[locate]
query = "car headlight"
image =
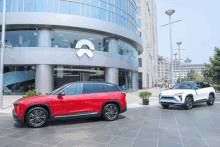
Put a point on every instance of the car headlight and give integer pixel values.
(179, 95)
(160, 95)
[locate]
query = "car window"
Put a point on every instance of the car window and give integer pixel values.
(92, 88)
(197, 85)
(202, 85)
(206, 84)
(73, 89)
(184, 85)
(109, 88)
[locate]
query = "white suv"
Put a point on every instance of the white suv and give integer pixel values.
(188, 93)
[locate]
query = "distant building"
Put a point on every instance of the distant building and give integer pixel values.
(163, 70)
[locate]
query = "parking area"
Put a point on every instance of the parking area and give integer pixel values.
(150, 126)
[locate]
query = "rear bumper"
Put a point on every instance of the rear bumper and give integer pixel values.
(123, 110)
(16, 118)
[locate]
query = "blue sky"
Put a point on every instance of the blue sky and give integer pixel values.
(199, 30)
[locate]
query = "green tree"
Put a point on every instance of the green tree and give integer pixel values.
(212, 70)
(192, 75)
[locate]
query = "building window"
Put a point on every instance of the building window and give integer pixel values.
(95, 2)
(139, 33)
(103, 15)
(41, 6)
(94, 12)
(29, 6)
(140, 62)
(138, 1)
(139, 23)
(74, 8)
(138, 10)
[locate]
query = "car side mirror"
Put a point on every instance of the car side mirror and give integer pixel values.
(60, 95)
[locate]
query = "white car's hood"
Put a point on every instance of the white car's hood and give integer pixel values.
(174, 91)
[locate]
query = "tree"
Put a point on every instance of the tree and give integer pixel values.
(192, 75)
(212, 70)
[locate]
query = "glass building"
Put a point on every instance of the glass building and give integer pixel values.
(45, 35)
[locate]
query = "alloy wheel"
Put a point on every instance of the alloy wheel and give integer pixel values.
(189, 103)
(37, 117)
(111, 112)
(211, 100)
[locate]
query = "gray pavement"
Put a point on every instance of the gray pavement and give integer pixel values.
(150, 126)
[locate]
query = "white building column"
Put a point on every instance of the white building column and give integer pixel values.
(111, 75)
(113, 46)
(44, 79)
(44, 38)
(134, 81)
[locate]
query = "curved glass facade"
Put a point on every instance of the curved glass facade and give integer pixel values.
(66, 39)
(120, 12)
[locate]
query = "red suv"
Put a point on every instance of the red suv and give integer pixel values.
(78, 99)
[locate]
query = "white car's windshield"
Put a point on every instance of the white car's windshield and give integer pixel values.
(183, 85)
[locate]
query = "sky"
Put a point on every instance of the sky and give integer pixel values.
(199, 30)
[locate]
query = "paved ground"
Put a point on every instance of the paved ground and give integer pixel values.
(138, 127)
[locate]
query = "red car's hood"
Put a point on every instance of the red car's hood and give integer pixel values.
(32, 97)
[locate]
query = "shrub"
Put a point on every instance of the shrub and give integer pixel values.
(165, 86)
(144, 95)
(216, 87)
(31, 93)
(161, 86)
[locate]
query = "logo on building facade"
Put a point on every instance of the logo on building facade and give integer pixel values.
(88, 52)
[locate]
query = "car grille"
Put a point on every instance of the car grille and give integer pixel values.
(168, 98)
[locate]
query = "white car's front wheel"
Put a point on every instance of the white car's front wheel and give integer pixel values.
(188, 103)
(211, 100)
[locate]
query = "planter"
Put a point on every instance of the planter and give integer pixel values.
(145, 101)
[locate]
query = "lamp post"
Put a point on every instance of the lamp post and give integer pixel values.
(175, 64)
(170, 12)
(178, 43)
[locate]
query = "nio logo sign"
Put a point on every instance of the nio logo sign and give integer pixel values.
(81, 52)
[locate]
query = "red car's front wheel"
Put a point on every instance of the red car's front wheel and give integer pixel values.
(37, 117)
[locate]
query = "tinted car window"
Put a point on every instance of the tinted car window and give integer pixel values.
(109, 88)
(73, 89)
(197, 85)
(206, 84)
(92, 88)
(202, 85)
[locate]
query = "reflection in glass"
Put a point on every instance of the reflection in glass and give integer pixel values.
(29, 6)
(95, 2)
(103, 4)
(94, 12)
(18, 79)
(103, 15)
(83, 10)
(74, 8)
(55, 6)
(86, 1)
(15, 4)
(64, 7)
(50, 5)
(87, 10)
(8, 5)
(41, 6)
(20, 8)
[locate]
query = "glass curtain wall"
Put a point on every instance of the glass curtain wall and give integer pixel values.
(125, 79)
(68, 74)
(120, 12)
(127, 49)
(18, 79)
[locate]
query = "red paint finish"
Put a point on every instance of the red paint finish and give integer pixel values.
(61, 104)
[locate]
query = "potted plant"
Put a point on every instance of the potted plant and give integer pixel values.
(145, 97)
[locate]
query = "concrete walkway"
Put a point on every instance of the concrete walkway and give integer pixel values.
(133, 99)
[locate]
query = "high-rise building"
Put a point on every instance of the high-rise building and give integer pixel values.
(60, 41)
(164, 67)
(147, 30)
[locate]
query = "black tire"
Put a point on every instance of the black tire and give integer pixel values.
(165, 106)
(35, 115)
(188, 103)
(211, 100)
(110, 112)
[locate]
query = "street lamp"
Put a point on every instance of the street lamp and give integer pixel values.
(2, 43)
(175, 64)
(178, 43)
(170, 12)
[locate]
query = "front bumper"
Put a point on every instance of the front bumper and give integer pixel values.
(171, 100)
(16, 118)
